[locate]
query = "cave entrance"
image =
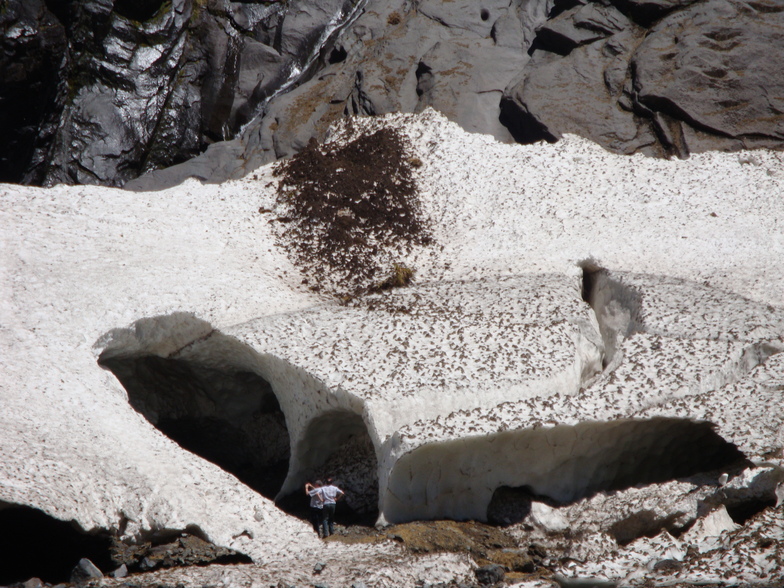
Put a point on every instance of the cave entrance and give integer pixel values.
(337, 445)
(231, 418)
(35, 545)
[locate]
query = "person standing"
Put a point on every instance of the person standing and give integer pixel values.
(316, 504)
(331, 494)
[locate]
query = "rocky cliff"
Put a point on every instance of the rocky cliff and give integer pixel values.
(102, 93)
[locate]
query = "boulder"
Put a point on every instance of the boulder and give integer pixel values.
(659, 78)
(490, 575)
(85, 571)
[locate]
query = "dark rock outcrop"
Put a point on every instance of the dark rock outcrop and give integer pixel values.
(129, 87)
(705, 75)
(457, 57)
(213, 89)
(32, 47)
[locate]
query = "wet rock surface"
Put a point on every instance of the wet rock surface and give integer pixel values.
(32, 45)
(127, 88)
(213, 90)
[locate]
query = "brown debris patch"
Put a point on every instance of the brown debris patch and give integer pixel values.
(433, 536)
(349, 209)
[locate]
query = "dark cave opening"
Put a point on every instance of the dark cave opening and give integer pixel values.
(561, 464)
(523, 127)
(510, 505)
(138, 10)
(337, 55)
(230, 418)
(742, 511)
(337, 445)
(35, 545)
(660, 449)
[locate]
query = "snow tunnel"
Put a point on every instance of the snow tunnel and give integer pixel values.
(458, 479)
(337, 444)
(231, 418)
(205, 391)
(257, 416)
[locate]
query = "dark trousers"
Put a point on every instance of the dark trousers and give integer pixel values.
(328, 522)
(316, 518)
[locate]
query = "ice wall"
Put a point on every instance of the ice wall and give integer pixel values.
(180, 372)
(456, 479)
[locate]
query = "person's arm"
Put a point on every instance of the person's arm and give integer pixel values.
(340, 495)
(308, 488)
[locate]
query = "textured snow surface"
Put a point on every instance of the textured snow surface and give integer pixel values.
(494, 338)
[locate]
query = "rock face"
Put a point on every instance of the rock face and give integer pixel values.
(613, 363)
(659, 78)
(145, 85)
(32, 46)
(109, 92)
(456, 57)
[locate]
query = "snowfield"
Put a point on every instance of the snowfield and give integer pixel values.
(601, 330)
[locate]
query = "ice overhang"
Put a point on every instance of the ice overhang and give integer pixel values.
(497, 378)
(456, 479)
(259, 417)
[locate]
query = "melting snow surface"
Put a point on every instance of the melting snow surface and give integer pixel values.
(494, 338)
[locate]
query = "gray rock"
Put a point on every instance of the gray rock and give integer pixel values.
(84, 571)
(580, 25)
(168, 91)
(120, 572)
(490, 574)
(319, 567)
(542, 105)
(710, 78)
(455, 57)
(699, 79)
(33, 583)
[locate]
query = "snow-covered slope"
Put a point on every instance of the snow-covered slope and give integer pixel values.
(573, 309)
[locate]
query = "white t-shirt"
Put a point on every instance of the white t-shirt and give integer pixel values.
(316, 500)
(330, 493)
